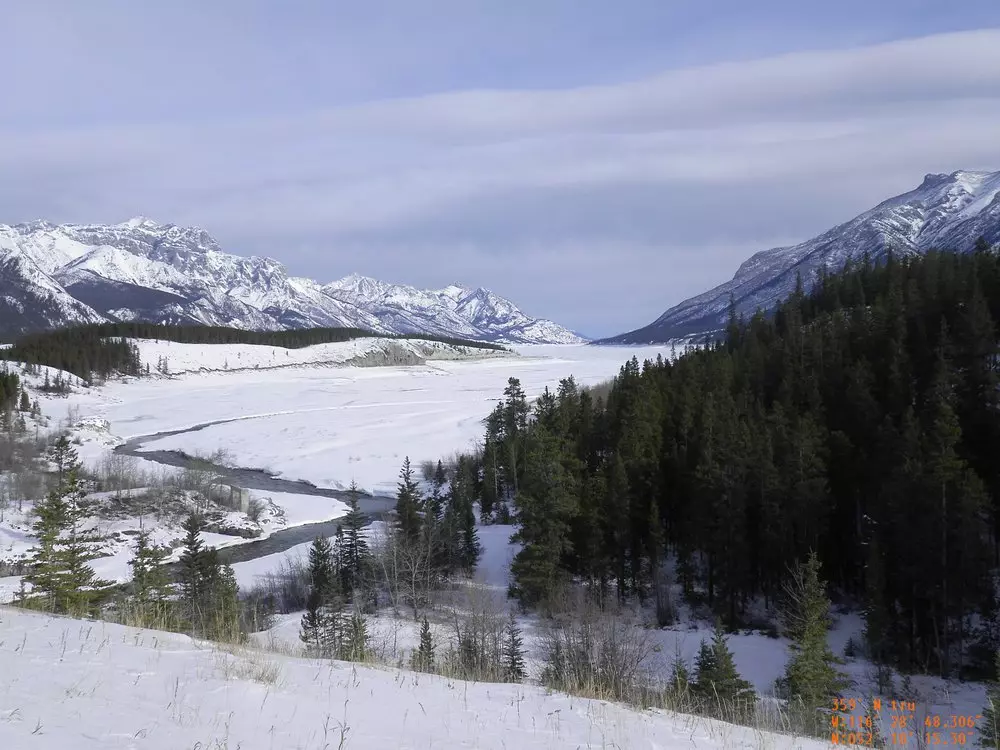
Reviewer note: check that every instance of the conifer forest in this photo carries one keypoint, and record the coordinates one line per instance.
(858, 421)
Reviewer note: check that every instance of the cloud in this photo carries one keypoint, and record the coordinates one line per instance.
(661, 186)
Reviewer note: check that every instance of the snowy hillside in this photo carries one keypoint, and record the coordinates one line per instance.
(83, 684)
(946, 212)
(54, 275)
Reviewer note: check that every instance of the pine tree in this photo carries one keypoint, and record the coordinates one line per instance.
(435, 503)
(64, 456)
(192, 577)
(45, 568)
(408, 503)
(224, 622)
(717, 681)
(313, 627)
(422, 660)
(355, 546)
(60, 576)
(680, 675)
(355, 641)
(321, 627)
(811, 676)
(323, 576)
(150, 581)
(513, 652)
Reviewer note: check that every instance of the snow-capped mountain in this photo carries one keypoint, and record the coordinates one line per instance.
(947, 211)
(53, 275)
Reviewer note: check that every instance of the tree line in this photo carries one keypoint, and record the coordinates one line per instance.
(858, 421)
(102, 350)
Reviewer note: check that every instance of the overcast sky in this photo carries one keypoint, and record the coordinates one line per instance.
(594, 160)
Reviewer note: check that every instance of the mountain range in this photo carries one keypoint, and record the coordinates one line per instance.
(57, 275)
(947, 212)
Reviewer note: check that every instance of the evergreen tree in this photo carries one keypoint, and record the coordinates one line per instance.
(65, 458)
(355, 546)
(422, 660)
(193, 577)
(408, 503)
(150, 581)
(680, 675)
(60, 574)
(513, 652)
(811, 676)
(321, 627)
(716, 679)
(355, 643)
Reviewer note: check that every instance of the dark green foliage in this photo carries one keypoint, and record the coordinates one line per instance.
(355, 641)
(59, 571)
(860, 420)
(811, 677)
(355, 553)
(717, 683)
(408, 503)
(193, 574)
(422, 659)
(322, 627)
(102, 350)
(150, 582)
(10, 385)
(513, 652)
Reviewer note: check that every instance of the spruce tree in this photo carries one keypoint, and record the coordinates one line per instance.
(59, 573)
(64, 456)
(355, 546)
(192, 576)
(513, 652)
(408, 503)
(680, 675)
(717, 681)
(422, 660)
(321, 627)
(811, 676)
(313, 627)
(150, 581)
(355, 640)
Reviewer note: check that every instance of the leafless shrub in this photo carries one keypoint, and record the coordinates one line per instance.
(597, 652)
(255, 509)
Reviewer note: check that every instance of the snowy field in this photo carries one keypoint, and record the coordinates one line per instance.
(188, 358)
(93, 685)
(330, 426)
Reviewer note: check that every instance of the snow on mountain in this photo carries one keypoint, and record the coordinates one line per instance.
(143, 270)
(947, 211)
(452, 311)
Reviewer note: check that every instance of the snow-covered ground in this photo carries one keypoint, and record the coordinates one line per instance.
(331, 426)
(187, 358)
(299, 419)
(80, 685)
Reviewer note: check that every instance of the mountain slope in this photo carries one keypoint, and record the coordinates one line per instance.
(945, 211)
(140, 270)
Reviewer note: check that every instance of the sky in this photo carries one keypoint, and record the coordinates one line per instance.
(594, 161)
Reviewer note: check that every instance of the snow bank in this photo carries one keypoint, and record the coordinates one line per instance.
(79, 684)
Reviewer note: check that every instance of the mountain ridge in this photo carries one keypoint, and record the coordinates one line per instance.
(946, 211)
(52, 275)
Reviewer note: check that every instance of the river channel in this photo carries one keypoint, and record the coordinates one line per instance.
(373, 507)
